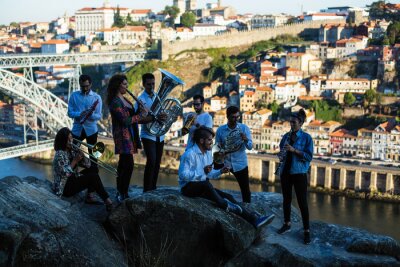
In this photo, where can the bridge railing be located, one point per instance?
(21, 150)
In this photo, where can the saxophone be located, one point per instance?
(282, 156)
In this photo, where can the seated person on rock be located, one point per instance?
(196, 169)
(67, 180)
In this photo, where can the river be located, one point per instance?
(376, 217)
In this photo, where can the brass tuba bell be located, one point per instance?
(170, 106)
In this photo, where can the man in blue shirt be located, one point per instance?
(202, 118)
(153, 145)
(196, 169)
(238, 159)
(84, 107)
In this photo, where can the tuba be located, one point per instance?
(170, 106)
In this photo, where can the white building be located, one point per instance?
(90, 19)
(289, 92)
(201, 29)
(262, 21)
(55, 47)
(323, 16)
(132, 35)
(141, 14)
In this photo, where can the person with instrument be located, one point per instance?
(238, 136)
(126, 137)
(153, 145)
(194, 121)
(296, 154)
(195, 171)
(67, 180)
(85, 107)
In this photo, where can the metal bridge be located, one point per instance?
(50, 109)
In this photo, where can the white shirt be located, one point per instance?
(147, 102)
(191, 167)
(204, 119)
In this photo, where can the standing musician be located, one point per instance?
(153, 145)
(67, 180)
(195, 171)
(201, 118)
(237, 160)
(84, 107)
(125, 134)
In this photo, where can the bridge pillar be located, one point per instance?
(271, 171)
(328, 177)
(313, 176)
(357, 180)
(342, 179)
(389, 182)
(255, 168)
(372, 185)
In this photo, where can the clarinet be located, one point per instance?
(143, 106)
(282, 159)
(89, 111)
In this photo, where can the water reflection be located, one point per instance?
(377, 217)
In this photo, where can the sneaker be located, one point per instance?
(263, 220)
(307, 237)
(119, 197)
(232, 207)
(285, 228)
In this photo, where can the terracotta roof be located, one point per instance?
(247, 82)
(264, 89)
(310, 98)
(249, 93)
(296, 54)
(263, 111)
(55, 42)
(140, 11)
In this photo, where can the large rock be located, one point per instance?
(193, 231)
(39, 229)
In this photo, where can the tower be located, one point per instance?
(191, 5)
(219, 3)
(181, 5)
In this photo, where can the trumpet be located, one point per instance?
(190, 119)
(97, 151)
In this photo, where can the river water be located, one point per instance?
(374, 216)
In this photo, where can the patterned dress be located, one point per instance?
(62, 169)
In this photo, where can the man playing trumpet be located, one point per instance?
(194, 121)
(84, 107)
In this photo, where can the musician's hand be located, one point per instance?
(162, 116)
(289, 148)
(225, 169)
(78, 157)
(207, 169)
(185, 131)
(83, 114)
(244, 137)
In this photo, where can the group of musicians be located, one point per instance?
(196, 166)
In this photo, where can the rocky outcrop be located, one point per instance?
(39, 229)
(165, 228)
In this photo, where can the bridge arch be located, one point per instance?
(53, 110)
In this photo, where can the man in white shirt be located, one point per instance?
(196, 169)
(202, 118)
(153, 145)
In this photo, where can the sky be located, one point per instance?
(47, 10)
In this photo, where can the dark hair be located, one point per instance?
(231, 110)
(201, 133)
(113, 86)
(300, 115)
(60, 142)
(85, 77)
(146, 77)
(199, 97)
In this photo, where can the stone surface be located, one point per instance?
(39, 229)
(163, 227)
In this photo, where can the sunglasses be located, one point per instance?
(197, 104)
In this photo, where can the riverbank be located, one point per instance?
(364, 195)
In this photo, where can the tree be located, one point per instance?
(378, 100)
(173, 13)
(393, 32)
(188, 19)
(118, 19)
(370, 96)
(349, 99)
(377, 10)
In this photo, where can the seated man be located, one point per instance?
(196, 169)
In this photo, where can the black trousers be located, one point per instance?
(91, 140)
(205, 189)
(242, 177)
(87, 180)
(124, 169)
(299, 182)
(154, 151)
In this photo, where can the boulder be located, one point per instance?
(38, 228)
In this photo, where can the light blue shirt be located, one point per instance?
(147, 100)
(79, 102)
(191, 167)
(236, 160)
(204, 119)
